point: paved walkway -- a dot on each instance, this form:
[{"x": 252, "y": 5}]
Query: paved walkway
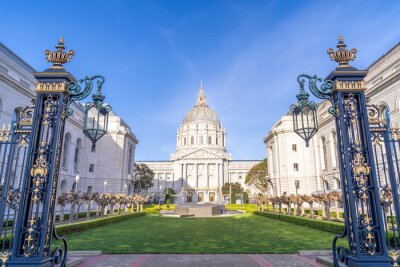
[{"x": 224, "y": 260}]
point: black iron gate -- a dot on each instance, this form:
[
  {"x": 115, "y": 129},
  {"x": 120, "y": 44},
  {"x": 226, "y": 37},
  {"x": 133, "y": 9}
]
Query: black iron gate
[
  {"x": 14, "y": 140},
  {"x": 386, "y": 150}
]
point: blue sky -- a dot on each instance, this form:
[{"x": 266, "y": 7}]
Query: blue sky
[{"x": 154, "y": 54}]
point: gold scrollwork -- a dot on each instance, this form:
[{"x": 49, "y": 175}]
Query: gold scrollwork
[
  {"x": 40, "y": 167},
  {"x": 395, "y": 254},
  {"x": 4, "y": 256},
  {"x": 360, "y": 166}
]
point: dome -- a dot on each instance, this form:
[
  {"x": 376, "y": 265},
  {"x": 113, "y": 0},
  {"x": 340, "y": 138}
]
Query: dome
[{"x": 201, "y": 111}]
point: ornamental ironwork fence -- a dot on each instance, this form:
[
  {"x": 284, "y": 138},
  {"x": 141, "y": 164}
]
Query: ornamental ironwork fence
[
  {"x": 386, "y": 150},
  {"x": 14, "y": 142}
]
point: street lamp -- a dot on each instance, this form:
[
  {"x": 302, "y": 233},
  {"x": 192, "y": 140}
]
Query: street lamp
[
  {"x": 76, "y": 182},
  {"x": 105, "y": 184},
  {"x": 297, "y": 184},
  {"x": 159, "y": 197},
  {"x": 304, "y": 114},
  {"x": 96, "y": 115}
]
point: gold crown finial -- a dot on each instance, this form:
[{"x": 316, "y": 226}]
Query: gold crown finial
[
  {"x": 342, "y": 55},
  {"x": 59, "y": 57}
]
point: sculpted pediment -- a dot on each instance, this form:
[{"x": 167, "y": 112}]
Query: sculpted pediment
[{"x": 201, "y": 154}]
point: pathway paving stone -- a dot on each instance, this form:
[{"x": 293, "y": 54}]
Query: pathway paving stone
[{"x": 190, "y": 260}]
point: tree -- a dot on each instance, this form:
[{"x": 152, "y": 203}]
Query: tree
[
  {"x": 336, "y": 196},
  {"x": 232, "y": 189},
  {"x": 310, "y": 200},
  {"x": 258, "y": 177},
  {"x": 144, "y": 177},
  {"x": 245, "y": 198},
  {"x": 168, "y": 195},
  {"x": 62, "y": 201}
]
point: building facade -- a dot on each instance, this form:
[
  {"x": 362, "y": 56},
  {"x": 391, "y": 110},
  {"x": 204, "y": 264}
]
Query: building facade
[
  {"x": 113, "y": 159},
  {"x": 201, "y": 164},
  {"x": 317, "y": 166}
]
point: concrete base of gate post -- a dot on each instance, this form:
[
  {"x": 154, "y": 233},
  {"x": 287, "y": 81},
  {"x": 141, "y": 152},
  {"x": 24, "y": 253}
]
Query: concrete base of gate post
[{"x": 77, "y": 257}]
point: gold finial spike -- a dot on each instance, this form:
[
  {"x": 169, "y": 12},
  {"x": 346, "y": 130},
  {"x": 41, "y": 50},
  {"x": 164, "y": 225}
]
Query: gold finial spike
[
  {"x": 59, "y": 57},
  {"x": 342, "y": 55}
]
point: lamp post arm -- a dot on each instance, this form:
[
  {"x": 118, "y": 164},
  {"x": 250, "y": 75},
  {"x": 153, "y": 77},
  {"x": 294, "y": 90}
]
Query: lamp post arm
[
  {"x": 77, "y": 92},
  {"x": 322, "y": 91}
]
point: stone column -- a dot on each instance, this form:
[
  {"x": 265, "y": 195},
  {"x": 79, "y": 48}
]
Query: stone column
[
  {"x": 208, "y": 178},
  {"x": 196, "y": 174},
  {"x": 185, "y": 175},
  {"x": 181, "y": 174}
]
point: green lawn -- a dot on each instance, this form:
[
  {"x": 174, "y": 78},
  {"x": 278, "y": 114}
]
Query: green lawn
[{"x": 239, "y": 234}]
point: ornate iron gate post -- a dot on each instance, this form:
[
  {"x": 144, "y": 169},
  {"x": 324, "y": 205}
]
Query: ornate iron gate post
[
  {"x": 364, "y": 225},
  {"x": 37, "y": 206},
  {"x": 56, "y": 89}
]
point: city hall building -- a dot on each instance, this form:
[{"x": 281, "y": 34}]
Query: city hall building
[{"x": 201, "y": 164}]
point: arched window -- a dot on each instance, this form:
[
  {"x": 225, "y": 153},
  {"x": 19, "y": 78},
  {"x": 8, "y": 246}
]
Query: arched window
[
  {"x": 77, "y": 154},
  {"x": 67, "y": 145},
  {"x": 336, "y": 182},
  {"x": 326, "y": 185},
  {"x": 74, "y": 187},
  {"x": 63, "y": 186},
  {"x": 333, "y": 149},
  {"x": 16, "y": 114},
  {"x": 324, "y": 153}
]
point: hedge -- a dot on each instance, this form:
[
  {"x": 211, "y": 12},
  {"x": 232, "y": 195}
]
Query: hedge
[
  {"x": 153, "y": 209},
  {"x": 77, "y": 227},
  {"x": 327, "y": 226},
  {"x": 248, "y": 208}
]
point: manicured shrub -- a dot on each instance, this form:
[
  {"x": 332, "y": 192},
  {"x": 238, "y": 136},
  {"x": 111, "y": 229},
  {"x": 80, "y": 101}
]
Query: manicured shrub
[
  {"x": 248, "y": 208},
  {"x": 328, "y": 226},
  {"x": 71, "y": 228}
]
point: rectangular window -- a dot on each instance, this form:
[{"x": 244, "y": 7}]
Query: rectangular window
[
  {"x": 209, "y": 140},
  {"x": 184, "y": 141},
  {"x": 296, "y": 167},
  {"x": 91, "y": 167},
  {"x": 93, "y": 149},
  {"x": 294, "y": 147},
  {"x": 200, "y": 140},
  {"x": 192, "y": 140},
  {"x": 216, "y": 141},
  {"x": 89, "y": 189}
]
